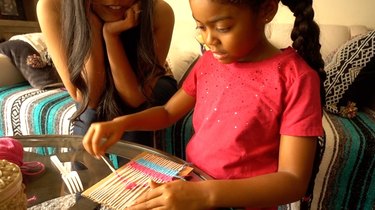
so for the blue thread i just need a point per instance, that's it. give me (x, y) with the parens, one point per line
(113, 158)
(158, 168)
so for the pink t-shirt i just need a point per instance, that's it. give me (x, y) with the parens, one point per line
(242, 109)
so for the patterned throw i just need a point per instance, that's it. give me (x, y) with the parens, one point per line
(25, 110)
(346, 178)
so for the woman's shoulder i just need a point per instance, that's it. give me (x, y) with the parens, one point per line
(50, 5)
(163, 13)
(48, 13)
(163, 6)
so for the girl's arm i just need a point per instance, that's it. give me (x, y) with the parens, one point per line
(125, 80)
(102, 135)
(286, 185)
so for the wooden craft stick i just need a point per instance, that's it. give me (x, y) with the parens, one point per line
(121, 188)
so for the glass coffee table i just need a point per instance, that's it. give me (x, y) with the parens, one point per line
(47, 190)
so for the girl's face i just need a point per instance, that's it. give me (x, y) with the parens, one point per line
(111, 10)
(233, 33)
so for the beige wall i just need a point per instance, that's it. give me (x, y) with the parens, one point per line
(342, 12)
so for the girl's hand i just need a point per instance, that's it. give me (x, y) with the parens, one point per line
(131, 19)
(101, 136)
(176, 195)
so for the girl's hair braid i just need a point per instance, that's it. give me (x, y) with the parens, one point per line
(305, 37)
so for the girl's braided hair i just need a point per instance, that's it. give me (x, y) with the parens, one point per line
(305, 36)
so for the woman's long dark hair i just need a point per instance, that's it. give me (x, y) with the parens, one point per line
(139, 47)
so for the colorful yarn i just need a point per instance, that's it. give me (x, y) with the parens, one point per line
(156, 167)
(151, 172)
(120, 189)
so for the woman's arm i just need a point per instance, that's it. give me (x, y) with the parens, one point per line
(94, 66)
(151, 119)
(49, 19)
(48, 12)
(125, 80)
(123, 75)
(286, 185)
(163, 29)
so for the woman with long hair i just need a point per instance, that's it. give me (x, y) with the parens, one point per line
(110, 56)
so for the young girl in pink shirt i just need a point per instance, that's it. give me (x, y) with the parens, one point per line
(257, 111)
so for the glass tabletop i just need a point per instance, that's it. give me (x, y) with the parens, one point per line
(69, 149)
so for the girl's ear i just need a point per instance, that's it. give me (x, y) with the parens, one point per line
(269, 10)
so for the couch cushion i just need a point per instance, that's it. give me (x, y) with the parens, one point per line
(331, 36)
(347, 72)
(39, 72)
(180, 62)
(10, 75)
(184, 47)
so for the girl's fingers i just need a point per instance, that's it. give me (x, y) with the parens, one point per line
(112, 139)
(149, 200)
(153, 184)
(96, 140)
(87, 141)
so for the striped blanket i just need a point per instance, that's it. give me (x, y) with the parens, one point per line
(346, 177)
(25, 110)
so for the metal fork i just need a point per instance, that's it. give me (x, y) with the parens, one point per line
(70, 178)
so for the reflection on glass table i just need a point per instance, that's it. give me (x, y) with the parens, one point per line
(49, 185)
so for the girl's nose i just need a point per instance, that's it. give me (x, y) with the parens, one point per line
(209, 38)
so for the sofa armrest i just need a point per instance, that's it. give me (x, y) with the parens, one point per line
(9, 73)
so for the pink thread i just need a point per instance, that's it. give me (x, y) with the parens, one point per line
(128, 185)
(33, 198)
(131, 185)
(156, 175)
(32, 168)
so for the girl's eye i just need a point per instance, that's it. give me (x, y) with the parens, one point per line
(223, 30)
(201, 28)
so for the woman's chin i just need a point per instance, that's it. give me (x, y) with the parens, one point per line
(111, 19)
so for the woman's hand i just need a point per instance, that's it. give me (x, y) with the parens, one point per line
(176, 195)
(96, 23)
(101, 136)
(131, 19)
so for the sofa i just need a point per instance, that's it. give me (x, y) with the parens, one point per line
(345, 176)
